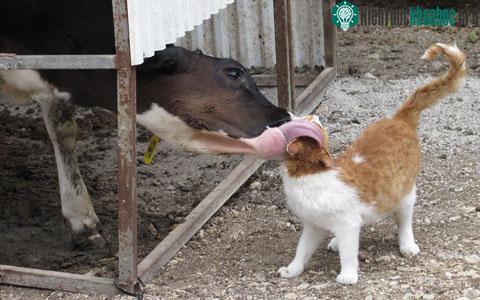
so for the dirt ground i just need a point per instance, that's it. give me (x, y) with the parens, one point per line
(237, 252)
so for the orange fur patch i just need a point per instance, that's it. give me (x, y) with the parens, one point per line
(305, 157)
(391, 160)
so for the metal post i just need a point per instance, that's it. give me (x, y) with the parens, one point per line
(56, 62)
(127, 196)
(284, 53)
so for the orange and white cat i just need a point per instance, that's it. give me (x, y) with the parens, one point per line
(374, 177)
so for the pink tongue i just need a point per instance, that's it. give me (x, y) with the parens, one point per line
(271, 144)
(302, 128)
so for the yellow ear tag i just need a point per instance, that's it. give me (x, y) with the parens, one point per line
(150, 153)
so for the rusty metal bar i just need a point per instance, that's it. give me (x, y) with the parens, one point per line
(284, 53)
(178, 237)
(329, 35)
(127, 194)
(53, 280)
(38, 62)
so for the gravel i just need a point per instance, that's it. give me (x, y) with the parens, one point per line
(472, 259)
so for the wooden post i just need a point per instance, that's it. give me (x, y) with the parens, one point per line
(284, 54)
(329, 35)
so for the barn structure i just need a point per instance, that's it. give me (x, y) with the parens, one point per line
(276, 36)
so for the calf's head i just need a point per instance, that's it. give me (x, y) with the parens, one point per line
(206, 93)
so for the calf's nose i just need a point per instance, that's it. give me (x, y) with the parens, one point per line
(280, 116)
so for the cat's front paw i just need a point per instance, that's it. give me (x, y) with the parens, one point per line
(409, 249)
(347, 278)
(290, 271)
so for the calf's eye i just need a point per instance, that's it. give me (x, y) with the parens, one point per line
(234, 73)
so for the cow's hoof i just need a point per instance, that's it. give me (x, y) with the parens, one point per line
(88, 240)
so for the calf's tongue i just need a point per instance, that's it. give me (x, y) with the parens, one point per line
(302, 128)
(271, 144)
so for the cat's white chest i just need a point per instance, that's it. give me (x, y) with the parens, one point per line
(323, 199)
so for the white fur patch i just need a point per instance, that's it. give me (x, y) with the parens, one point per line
(61, 95)
(77, 207)
(406, 239)
(358, 159)
(23, 86)
(324, 200)
(292, 116)
(325, 203)
(24, 80)
(171, 129)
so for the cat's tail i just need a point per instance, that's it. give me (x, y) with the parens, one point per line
(432, 92)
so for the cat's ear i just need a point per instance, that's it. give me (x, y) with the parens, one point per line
(327, 159)
(293, 148)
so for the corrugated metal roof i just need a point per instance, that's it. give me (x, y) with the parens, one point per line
(245, 31)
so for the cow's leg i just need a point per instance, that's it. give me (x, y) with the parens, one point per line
(58, 114)
(23, 86)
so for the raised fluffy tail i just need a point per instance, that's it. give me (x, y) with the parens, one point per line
(432, 92)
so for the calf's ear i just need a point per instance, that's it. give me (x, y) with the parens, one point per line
(169, 61)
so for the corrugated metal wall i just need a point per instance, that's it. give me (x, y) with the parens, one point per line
(245, 31)
(153, 24)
